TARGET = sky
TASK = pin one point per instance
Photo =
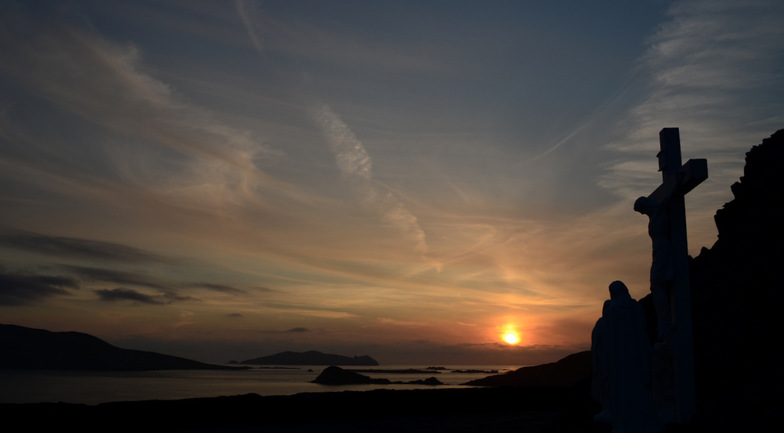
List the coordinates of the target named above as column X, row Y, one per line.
column 223, row 180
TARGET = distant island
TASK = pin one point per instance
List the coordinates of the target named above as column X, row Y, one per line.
column 310, row 358
column 24, row 348
column 337, row 376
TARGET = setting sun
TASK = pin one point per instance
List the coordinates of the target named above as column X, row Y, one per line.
column 511, row 337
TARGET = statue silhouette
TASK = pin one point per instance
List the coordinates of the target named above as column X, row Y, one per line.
column 622, row 354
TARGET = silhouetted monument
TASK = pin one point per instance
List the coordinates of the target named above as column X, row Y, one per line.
column 666, row 371
column 622, row 364
column 670, row 281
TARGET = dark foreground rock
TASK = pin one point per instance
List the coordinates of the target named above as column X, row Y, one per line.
column 520, row 409
column 737, row 295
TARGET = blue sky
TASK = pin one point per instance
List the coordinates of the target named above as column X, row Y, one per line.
column 408, row 180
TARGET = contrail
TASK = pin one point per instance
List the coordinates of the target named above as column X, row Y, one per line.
column 244, row 13
column 351, row 157
column 350, row 154
column 354, row 162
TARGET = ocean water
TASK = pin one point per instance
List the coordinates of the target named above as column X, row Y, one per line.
column 93, row 387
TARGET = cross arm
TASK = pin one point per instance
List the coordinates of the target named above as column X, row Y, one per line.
column 692, row 174
column 689, row 176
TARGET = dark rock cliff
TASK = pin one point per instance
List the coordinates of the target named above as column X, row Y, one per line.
column 738, row 293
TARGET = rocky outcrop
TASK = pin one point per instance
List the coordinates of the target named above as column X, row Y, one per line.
column 738, row 292
column 429, row 381
column 337, row 376
column 334, row 375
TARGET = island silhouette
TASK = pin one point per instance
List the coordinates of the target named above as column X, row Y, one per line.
column 335, row 375
column 311, row 357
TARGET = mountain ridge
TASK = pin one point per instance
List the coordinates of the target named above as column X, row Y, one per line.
column 23, row 348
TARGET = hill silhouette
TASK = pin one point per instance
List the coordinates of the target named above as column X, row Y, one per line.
column 24, row 348
column 737, row 296
column 567, row 372
column 310, row 358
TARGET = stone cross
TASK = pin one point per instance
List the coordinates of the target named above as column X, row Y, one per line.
column 672, row 270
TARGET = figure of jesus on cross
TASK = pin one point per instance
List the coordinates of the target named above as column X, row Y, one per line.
column 670, row 286
column 662, row 269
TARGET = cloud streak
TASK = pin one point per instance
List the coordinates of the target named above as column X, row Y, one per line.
column 121, row 294
column 221, row 288
column 29, row 287
column 247, row 12
column 67, row 247
column 17, row 288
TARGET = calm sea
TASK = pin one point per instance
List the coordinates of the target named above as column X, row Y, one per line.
column 93, row 387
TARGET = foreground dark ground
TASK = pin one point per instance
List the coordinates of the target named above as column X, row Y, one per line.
column 494, row 409
column 438, row 410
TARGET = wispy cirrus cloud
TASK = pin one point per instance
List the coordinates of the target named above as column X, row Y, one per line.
column 152, row 141
column 713, row 61
column 709, row 68
column 350, row 154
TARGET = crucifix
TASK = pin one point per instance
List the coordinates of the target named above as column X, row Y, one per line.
column 670, row 287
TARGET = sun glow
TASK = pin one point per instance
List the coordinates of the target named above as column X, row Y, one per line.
column 511, row 337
